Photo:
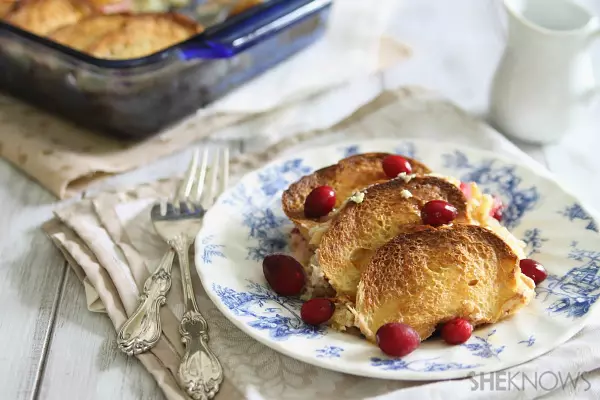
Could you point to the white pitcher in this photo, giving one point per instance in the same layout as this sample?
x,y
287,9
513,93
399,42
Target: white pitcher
x,y
545,81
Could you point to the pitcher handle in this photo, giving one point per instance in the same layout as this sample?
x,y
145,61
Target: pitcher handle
x,y
592,96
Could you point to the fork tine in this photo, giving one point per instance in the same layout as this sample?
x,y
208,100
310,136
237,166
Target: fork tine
x,y
163,207
212,183
188,180
198,187
225,174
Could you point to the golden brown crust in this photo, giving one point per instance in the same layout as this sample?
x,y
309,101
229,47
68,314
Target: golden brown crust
x,y
6,6
113,6
143,35
360,229
346,177
431,276
244,5
89,30
44,16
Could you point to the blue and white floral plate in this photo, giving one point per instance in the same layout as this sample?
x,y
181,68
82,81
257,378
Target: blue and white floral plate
x,y
247,223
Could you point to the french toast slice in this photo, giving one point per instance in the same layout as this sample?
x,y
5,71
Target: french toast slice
x,y
387,210
243,5
346,177
106,7
6,6
44,16
431,276
144,34
88,31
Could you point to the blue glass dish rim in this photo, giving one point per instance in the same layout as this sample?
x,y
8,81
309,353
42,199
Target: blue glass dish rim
x,y
249,16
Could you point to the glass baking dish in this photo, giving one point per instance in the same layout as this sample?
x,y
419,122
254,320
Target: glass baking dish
x,y
134,99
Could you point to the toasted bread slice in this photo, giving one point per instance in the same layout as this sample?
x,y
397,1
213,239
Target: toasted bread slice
x,y
143,35
88,31
243,5
6,6
428,277
346,177
387,210
113,6
44,16
480,206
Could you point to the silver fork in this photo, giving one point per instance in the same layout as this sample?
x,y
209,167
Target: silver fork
x,y
178,223
142,330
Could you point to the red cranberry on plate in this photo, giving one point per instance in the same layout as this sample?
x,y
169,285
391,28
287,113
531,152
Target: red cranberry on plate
x,y
397,339
284,274
317,311
533,270
497,209
456,331
319,202
394,165
438,212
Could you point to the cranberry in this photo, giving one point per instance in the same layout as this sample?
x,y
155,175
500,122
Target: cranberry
x,y
395,165
319,202
317,311
397,340
497,214
284,274
456,331
497,209
438,212
465,187
533,270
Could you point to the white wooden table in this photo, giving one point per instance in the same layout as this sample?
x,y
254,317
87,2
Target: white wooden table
x,y
51,347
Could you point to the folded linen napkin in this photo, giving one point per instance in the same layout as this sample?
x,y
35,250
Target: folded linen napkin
x,y
66,159
109,242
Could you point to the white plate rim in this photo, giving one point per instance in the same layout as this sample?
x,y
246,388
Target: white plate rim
x,y
330,364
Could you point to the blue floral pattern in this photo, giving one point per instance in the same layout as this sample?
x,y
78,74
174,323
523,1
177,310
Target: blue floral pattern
x,y
350,151
482,346
497,179
426,365
268,229
278,177
529,342
534,241
576,212
407,149
329,352
574,293
210,250
281,321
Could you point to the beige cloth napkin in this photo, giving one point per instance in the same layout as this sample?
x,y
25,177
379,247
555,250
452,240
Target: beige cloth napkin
x,y
110,244
66,159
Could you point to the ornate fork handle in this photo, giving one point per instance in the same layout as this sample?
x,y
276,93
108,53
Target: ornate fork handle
x,y
200,371
143,329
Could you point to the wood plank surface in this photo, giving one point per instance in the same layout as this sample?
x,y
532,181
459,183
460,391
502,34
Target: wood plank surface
x,y
31,274
84,361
